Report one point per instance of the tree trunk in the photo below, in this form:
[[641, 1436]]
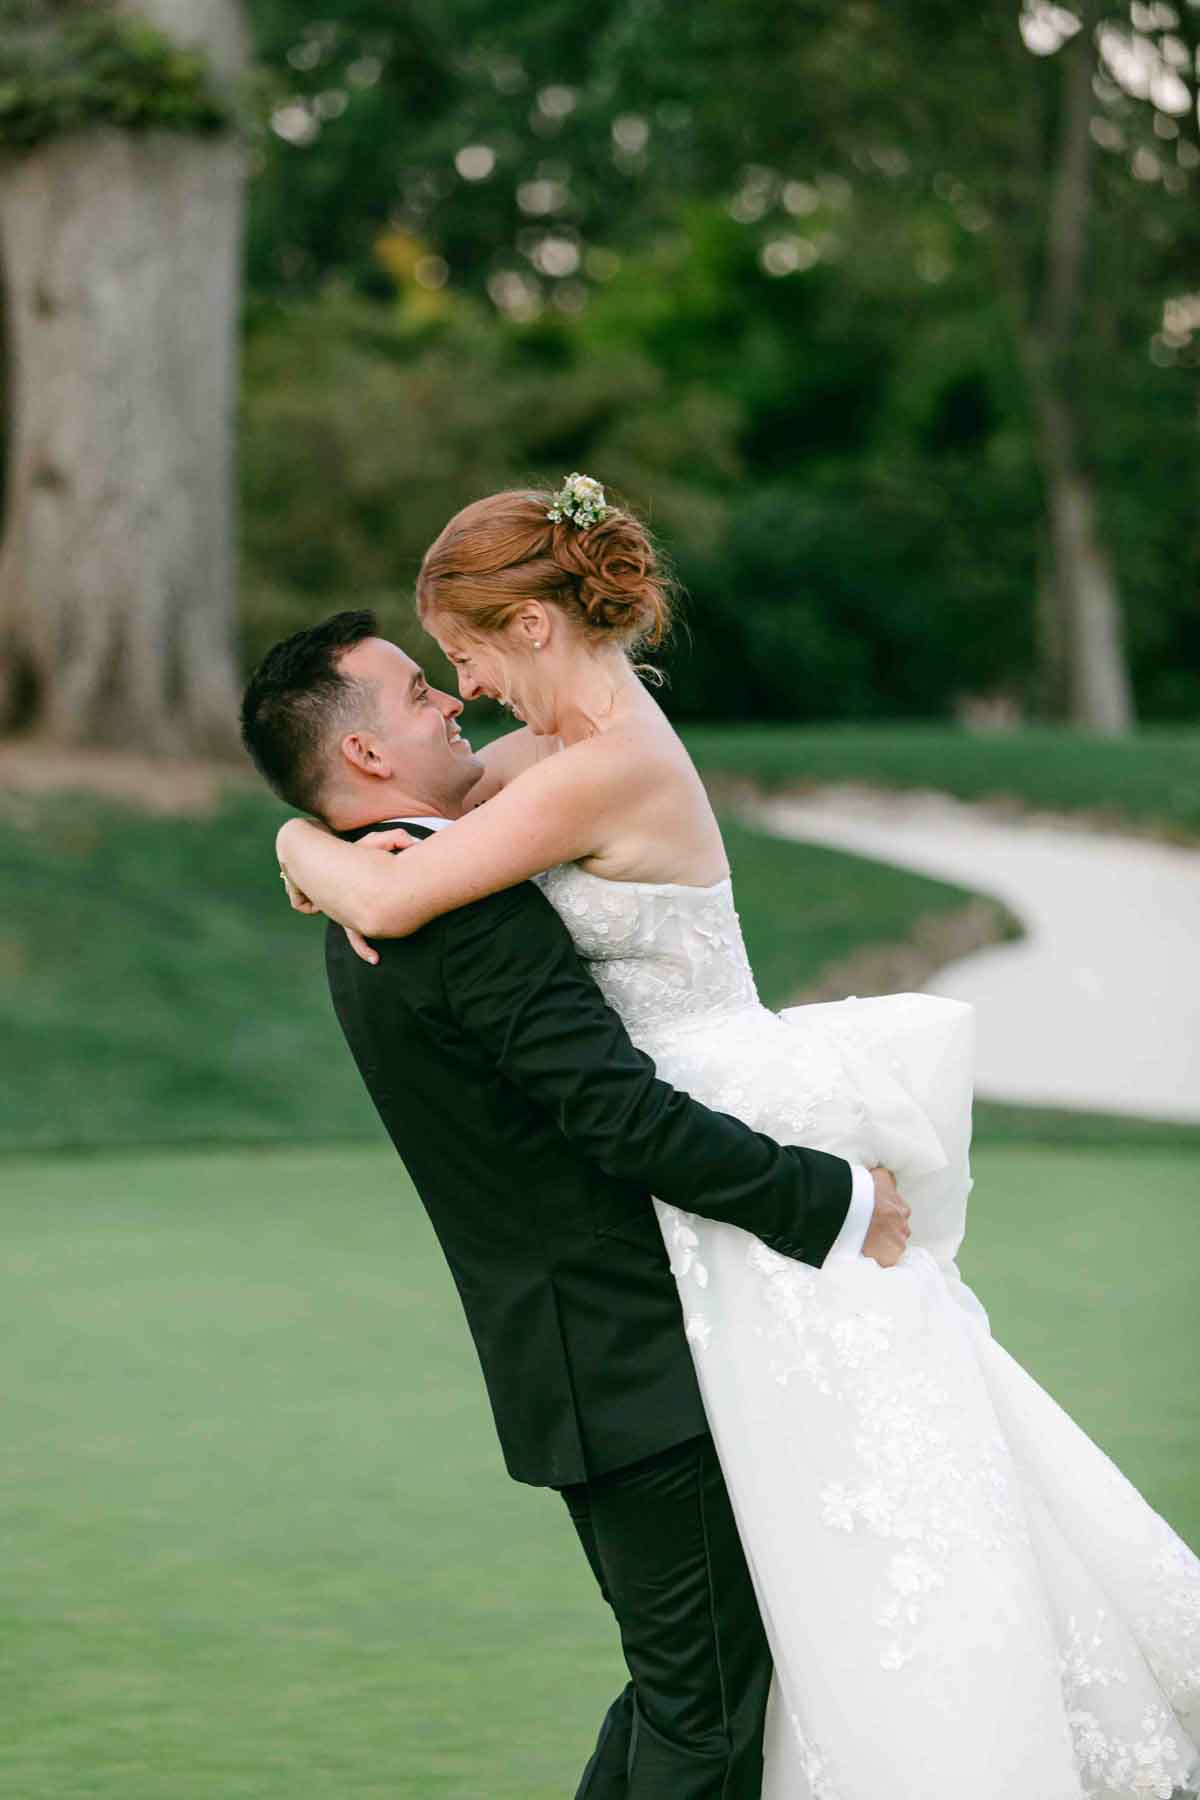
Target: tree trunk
[[1048, 688], [1087, 633], [122, 270], [1083, 591]]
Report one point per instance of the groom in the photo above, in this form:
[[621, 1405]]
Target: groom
[[535, 1135]]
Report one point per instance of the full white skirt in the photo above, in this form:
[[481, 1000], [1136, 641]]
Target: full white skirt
[[964, 1598]]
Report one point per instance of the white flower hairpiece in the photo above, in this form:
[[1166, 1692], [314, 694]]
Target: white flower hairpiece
[[579, 499]]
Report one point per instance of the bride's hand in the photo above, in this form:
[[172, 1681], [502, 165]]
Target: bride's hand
[[376, 840], [302, 904], [284, 837], [295, 841], [360, 946], [395, 839], [296, 900]]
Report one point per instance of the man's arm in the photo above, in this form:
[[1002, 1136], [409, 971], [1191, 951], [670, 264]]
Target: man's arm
[[514, 981]]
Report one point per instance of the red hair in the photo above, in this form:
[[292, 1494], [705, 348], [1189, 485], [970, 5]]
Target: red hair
[[502, 551]]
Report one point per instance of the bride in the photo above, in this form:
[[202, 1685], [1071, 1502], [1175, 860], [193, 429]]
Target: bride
[[965, 1599]]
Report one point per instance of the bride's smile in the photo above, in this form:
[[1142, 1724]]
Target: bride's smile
[[548, 677]]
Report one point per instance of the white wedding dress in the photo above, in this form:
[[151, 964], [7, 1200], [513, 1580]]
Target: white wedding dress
[[965, 1599]]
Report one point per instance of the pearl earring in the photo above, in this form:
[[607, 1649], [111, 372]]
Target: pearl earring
[[537, 646]]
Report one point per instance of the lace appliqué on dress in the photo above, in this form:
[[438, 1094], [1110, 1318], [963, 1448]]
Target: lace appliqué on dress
[[913, 1486], [1169, 1629], [659, 953], [813, 1765], [683, 1248], [1153, 1763]]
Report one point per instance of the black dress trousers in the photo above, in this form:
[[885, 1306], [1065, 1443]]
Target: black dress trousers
[[661, 1540]]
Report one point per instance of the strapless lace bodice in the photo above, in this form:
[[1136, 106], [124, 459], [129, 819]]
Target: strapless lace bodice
[[670, 959], [662, 954]]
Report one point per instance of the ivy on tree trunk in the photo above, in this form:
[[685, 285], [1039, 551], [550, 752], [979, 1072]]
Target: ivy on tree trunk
[[121, 255]]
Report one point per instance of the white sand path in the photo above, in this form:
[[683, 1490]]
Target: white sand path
[[1098, 1007]]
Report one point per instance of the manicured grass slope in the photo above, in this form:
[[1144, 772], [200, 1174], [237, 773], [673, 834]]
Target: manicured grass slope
[[259, 1539], [1152, 778], [155, 989]]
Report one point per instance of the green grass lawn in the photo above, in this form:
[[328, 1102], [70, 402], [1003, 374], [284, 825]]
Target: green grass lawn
[[155, 989], [1150, 779], [259, 1539]]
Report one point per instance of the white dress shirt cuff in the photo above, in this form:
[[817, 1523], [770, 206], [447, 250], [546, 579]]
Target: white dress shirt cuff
[[850, 1239]]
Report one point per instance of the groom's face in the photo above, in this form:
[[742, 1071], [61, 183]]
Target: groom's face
[[414, 737]]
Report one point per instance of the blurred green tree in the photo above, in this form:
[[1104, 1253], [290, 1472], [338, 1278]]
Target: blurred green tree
[[1049, 150], [899, 289], [351, 471], [1052, 137]]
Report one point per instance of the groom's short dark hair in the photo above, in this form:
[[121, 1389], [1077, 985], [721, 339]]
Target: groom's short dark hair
[[295, 699]]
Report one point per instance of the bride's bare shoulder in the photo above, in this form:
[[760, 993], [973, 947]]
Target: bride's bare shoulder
[[636, 748], [653, 744], [626, 800], [640, 757]]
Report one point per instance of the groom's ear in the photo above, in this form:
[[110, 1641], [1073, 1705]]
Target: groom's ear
[[361, 750]]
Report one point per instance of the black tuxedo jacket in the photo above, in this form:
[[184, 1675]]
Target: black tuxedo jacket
[[535, 1135]]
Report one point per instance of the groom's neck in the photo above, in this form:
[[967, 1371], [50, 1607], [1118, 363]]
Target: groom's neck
[[350, 812]]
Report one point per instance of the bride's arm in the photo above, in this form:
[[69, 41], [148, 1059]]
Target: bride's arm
[[559, 810]]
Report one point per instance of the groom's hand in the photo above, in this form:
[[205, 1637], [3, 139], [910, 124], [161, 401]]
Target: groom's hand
[[887, 1235]]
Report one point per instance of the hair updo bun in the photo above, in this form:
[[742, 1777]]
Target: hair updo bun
[[620, 588], [500, 552]]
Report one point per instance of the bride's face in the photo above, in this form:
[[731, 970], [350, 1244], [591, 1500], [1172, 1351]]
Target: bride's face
[[500, 665]]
